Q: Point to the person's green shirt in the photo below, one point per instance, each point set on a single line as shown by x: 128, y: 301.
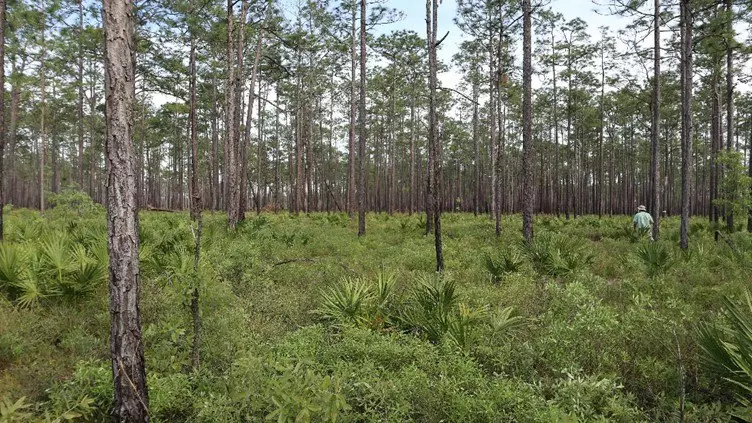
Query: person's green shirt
x: 642, y: 220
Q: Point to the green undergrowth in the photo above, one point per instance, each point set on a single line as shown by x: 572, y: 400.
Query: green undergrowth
x: 304, y: 321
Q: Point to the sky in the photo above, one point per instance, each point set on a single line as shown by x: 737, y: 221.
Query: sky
x: 415, y: 12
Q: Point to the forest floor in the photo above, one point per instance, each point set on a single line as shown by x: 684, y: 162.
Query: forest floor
x: 303, y: 319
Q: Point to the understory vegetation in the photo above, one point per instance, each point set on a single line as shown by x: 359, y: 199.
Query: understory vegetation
x: 302, y: 321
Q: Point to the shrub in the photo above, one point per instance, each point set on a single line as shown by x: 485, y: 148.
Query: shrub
x: 558, y: 255
x: 510, y: 262
x: 655, y: 256
x: 727, y: 349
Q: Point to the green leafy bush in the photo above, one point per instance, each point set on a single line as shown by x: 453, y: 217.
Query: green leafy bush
x: 655, y: 256
x: 557, y: 255
x: 727, y: 349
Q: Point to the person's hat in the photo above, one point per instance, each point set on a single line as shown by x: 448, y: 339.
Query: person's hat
x: 641, y: 208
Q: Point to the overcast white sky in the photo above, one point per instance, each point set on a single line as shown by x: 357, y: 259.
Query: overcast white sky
x: 415, y: 15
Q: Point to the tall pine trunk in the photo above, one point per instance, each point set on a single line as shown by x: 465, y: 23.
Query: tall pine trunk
x: 42, y: 128
x: 351, y: 189
x: 362, y: 125
x: 434, y: 149
x: 729, y: 100
x: 126, y: 346
x: 686, y: 118
x: 196, y: 205
x: 655, y: 174
x: 527, y: 124
x: 230, y: 146
x: 2, y: 115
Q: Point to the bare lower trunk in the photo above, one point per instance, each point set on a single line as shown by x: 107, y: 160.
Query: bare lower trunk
x: 729, y: 105
x: 435, y: 174
x: 42, y: 128
x: 351, y: 189
x: 231, y: 174
x: 80, y: 104
x: 2, y: 115
x: 196, y: 205
x: 215, y: 191
x: 362, y: 125
x: 126, y: 347
x: 655, y: 174
x: 527, y: 124
x: 686, y: 118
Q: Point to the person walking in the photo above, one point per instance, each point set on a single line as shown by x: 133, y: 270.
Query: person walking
x: 642, y: 222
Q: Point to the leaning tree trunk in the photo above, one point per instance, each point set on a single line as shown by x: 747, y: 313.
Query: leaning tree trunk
x: 686, y: 118
x: 126, y: 347
x: 527, y: 124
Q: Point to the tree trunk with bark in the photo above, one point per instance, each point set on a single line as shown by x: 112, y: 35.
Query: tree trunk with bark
x: 729, y: 99
x: 2, y: 115
x: 196, y: 205
x: 655, y: 174
x: 232, y: 199
x: 126, y: 347
x: 42, y: 128
x: 362, y: 126
x: 686, y: 118
x: 351, y: 189
x: 527, y: 123
x: 434, y: 149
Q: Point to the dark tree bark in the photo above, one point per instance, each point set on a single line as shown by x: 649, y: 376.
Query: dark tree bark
x: 362, y: 126
x: 527, y: 124
x: 686, y: 118
x: 655, y: 174
x: 126, y: 347
x: 434, y: 150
